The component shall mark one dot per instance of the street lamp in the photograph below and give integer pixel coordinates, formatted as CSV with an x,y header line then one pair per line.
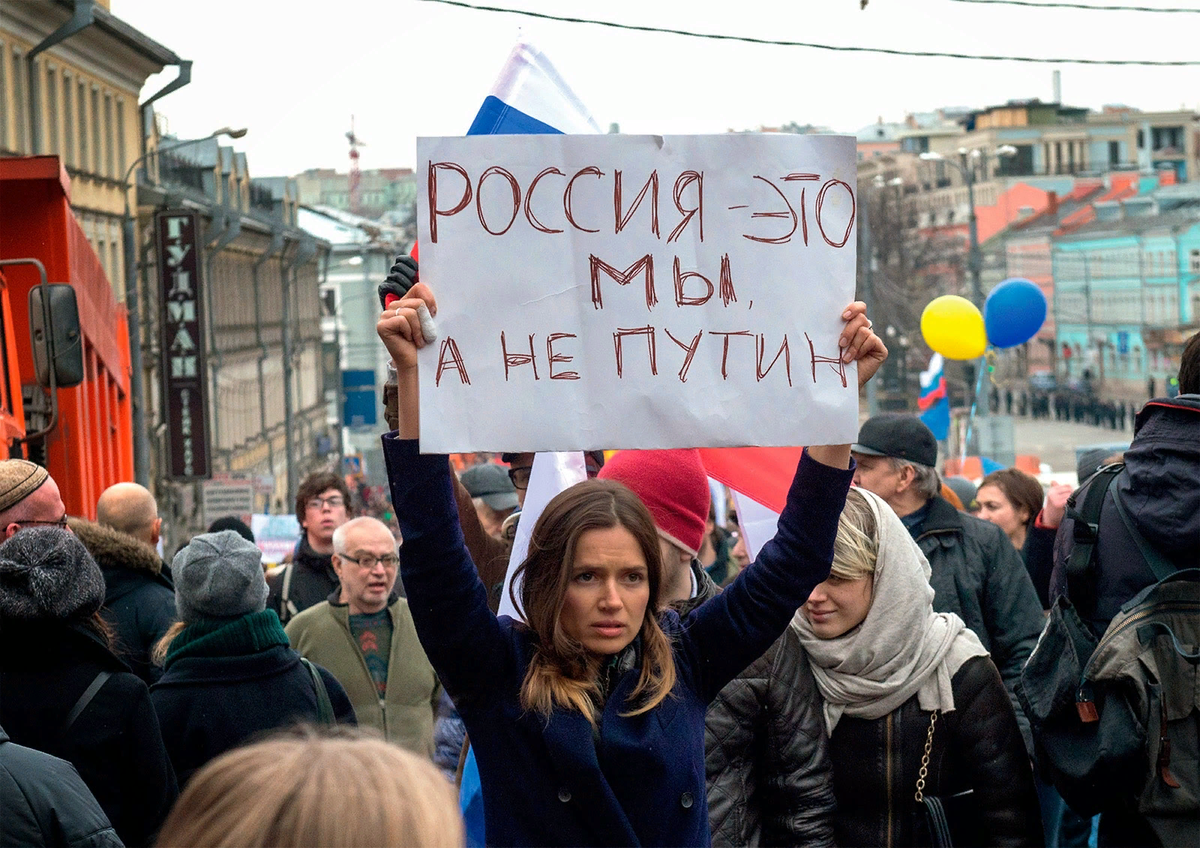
x,y
137,395
964,167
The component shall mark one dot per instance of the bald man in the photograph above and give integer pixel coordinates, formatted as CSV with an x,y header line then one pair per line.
x,y
131,509
139,601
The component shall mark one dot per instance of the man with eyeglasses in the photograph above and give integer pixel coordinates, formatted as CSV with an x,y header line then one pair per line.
x,y
29,497
322,506
363,634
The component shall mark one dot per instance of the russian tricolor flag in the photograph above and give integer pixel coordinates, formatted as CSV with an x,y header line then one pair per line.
x,y
934,400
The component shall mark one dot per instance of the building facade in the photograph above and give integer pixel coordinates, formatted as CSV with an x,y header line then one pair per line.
x,y
77,97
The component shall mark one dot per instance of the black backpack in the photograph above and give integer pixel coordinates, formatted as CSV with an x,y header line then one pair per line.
x,y
1117,720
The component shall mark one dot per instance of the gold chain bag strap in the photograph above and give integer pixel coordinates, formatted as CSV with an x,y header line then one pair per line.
x,y
947,820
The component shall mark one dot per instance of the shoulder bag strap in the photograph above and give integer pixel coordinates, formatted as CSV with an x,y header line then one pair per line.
x,y
85,699
1087,524
1157,562
286,608
324,705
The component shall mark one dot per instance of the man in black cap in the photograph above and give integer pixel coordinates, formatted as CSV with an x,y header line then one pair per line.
x,y
977,573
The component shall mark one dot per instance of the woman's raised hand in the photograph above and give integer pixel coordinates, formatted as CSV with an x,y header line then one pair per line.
x,y
400,326
859,342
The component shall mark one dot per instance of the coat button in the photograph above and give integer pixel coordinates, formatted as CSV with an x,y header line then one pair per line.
x,y
564,795
686,800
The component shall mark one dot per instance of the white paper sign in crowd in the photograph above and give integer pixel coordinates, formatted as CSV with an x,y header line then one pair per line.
x,y
637,291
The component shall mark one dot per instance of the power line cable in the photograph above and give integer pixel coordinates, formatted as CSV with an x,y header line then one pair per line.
x,y
885,51
1090,8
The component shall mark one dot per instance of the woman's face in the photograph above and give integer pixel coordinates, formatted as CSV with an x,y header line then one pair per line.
x,y
838,606
608,591
994,506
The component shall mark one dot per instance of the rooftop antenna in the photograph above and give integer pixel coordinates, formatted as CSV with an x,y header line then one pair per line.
x,y
355,173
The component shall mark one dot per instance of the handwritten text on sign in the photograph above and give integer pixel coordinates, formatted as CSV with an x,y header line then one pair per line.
x,y
636,291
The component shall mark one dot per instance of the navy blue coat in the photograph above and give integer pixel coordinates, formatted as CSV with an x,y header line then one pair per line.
x,y
553,782
208,705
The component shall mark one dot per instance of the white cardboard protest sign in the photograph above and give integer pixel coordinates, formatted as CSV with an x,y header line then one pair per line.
x,y
637,291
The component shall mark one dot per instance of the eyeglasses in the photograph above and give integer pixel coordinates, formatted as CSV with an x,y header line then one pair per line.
x,y
333,502
368,561
60,523
520,477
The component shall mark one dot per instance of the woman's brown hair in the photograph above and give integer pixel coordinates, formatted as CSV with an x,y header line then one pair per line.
x,y
562,672
339,788
1023,490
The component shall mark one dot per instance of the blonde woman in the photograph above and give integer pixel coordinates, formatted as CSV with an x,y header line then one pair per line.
x,y
906,689
345,790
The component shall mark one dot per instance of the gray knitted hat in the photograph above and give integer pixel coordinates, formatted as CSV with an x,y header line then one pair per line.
x,y
45,574
218,575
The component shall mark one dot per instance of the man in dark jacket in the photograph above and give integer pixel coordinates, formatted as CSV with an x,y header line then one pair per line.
x,y
139,600
46,802
1160,488
322,506
977,573
769,776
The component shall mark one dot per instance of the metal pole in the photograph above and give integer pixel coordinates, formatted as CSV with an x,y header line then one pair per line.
x,y
137,392
974,263
869,298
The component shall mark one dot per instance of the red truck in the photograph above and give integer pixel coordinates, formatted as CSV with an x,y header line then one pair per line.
x,y
64,379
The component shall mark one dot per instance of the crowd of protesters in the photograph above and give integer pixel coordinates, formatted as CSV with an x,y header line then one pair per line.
x,y
662,687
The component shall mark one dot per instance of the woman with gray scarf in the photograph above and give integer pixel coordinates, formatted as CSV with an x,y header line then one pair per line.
x,y
909,695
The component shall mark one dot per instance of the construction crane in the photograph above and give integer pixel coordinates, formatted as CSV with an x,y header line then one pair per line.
x,y
355,173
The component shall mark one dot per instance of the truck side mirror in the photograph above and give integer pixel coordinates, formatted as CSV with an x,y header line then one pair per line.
x,y
60,343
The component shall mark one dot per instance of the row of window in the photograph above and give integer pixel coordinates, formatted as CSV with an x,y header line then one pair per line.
x,y
1125,263
86,121
1157,306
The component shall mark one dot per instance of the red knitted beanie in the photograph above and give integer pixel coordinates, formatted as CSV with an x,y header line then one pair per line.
x,y
673,486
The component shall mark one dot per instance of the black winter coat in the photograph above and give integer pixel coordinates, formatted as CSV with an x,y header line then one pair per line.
x,y
976,746
313,579
139,601
978,575
46,803
115,743
766,756
208,705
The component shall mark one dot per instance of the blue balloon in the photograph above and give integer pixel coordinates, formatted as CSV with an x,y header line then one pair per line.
x,y
1013,313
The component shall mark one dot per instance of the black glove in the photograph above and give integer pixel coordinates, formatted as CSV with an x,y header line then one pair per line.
x,y
399,280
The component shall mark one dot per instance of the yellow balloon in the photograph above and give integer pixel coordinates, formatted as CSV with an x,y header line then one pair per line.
x,y
953,327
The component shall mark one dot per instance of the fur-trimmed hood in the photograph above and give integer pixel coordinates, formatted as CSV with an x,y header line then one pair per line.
x,y
114,550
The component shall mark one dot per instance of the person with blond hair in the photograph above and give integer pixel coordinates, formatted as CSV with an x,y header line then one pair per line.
x,y
338,789
587,720
915,689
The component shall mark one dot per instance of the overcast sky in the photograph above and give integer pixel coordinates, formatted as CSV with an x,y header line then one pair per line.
x,y
294,71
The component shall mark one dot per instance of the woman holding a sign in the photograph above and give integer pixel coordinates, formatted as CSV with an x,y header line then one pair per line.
x,y
587,720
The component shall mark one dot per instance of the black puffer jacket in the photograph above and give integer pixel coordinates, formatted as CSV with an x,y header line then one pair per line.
x,y
139,601
766,755
976,746
46,803
115,743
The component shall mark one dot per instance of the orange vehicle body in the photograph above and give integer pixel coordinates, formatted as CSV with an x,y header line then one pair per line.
x,y
91,444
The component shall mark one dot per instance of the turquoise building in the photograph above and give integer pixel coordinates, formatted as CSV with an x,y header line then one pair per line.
x,y
1127,290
